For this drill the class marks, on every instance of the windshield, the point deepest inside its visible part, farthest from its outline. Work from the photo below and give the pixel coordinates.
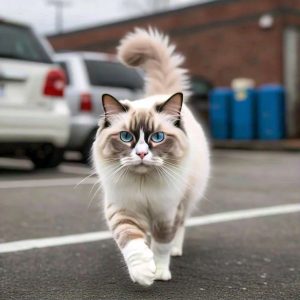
(18, 42)
(104, 73)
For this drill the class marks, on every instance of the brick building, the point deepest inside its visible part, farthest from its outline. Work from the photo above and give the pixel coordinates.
(221, 40)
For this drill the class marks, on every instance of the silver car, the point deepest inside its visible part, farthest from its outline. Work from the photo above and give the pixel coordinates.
(89, 75)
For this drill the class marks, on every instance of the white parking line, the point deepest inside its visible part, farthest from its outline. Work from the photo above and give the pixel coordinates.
(104, 235)
(19, 164)
(74, 170)
(77, 181)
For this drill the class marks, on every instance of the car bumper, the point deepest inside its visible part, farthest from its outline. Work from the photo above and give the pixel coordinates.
(36, 126)
(82, 126)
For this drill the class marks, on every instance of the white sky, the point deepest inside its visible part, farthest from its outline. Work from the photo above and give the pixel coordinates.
(78, 14)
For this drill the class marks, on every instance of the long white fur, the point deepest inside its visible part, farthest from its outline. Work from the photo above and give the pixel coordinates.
(159, 59)
(140, 262)
(155, 197)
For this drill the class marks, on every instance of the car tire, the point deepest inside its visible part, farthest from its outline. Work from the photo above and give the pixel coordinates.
(47, 156)
(86, 150)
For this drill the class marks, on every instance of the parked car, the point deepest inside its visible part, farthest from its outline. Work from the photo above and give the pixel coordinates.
(89, 75)
(34, 117)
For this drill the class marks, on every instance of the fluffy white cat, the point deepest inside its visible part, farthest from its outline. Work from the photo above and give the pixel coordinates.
(152, 158)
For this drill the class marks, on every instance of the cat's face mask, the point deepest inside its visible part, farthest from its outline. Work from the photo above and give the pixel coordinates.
(142, 139)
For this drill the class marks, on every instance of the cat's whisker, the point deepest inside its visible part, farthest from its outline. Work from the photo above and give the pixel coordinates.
(170, 178)
(171, 174)
(117, 173)
(160, 173)
(174, 166)
(95, 184)
(114, 172)
(110, 159)
(110, 167)
(177, 178)
(121, 174)
(124, 173)
(174, 169)
(84, 179)
(171, 169)
(91, 201)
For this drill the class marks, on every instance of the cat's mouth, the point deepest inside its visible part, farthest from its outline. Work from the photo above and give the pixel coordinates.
(141, 169)
(148, 163)
(141, 166)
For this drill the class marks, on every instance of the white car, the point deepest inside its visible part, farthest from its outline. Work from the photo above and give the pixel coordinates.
(34, 116)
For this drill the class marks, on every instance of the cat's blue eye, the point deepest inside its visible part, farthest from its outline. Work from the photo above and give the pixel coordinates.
(158, 137)
(126, 136)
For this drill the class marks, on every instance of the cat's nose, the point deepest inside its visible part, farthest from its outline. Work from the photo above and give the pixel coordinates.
(142, 154)
(141, 150)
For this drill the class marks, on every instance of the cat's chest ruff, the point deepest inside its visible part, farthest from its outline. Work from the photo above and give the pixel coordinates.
(150, 198)
(142, 191)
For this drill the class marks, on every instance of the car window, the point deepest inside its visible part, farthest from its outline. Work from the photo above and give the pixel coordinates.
(17, 42)
(103, 73)
(63, 65)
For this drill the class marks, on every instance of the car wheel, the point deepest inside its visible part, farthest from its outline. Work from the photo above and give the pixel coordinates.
(87, 148)
(46, 156)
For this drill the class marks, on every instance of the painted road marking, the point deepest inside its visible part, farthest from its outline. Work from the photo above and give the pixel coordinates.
(76, 181)
(20, 164)
(68, 169)
(104, 235)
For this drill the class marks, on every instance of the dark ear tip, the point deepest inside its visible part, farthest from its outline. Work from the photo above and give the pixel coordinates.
(103, 99)
(179, 93)
(105, 95)
(111, 104)
(171, 102)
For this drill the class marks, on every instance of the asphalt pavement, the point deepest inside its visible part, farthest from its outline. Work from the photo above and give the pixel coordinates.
(243, 241)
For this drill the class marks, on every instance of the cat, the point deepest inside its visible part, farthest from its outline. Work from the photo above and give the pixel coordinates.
(152, 159)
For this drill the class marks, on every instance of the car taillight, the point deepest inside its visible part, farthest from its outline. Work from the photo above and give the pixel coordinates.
(55, 83)
(86, 102)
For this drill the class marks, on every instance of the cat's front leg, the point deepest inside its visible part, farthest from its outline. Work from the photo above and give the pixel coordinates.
(161, 244)
(140, 261)
(130, 235)
(177, 243)
(162, 253)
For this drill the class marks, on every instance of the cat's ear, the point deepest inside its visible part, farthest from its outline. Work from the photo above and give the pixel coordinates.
(111, 105)
(172, 106)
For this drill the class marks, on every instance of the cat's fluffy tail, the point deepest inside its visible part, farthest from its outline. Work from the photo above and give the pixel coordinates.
(152, 51)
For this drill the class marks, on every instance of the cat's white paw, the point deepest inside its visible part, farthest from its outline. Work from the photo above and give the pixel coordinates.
(176, 251)
(143, 273)
(140, 262)
(162, 273)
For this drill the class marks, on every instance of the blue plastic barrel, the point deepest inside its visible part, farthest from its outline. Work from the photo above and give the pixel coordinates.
(243, 114)
(219, 112)
(271, 112)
